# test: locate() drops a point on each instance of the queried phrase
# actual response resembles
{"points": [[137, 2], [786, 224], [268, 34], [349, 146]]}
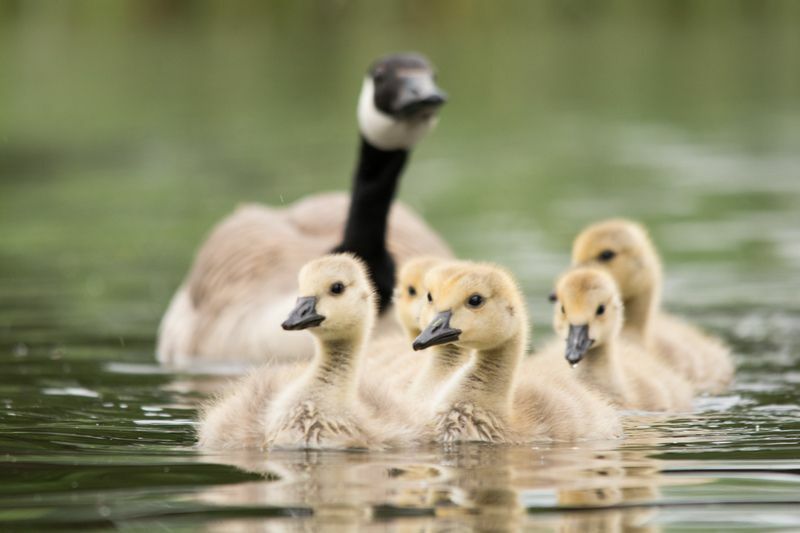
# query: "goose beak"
{"points": [[578, 343], [419, 97], [437, 332], [304, 315]]}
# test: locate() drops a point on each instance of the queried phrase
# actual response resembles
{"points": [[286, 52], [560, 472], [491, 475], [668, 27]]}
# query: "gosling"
{"points": [[588, 316], [324, 405]]}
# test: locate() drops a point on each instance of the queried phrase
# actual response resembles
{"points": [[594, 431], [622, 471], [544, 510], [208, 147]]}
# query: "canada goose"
{"points": [[589, 317], [243, 280], [624, 249], [322, 404], [478, 307]]}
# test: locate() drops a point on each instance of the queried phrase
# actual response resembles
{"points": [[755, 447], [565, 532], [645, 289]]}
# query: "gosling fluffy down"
{"points": [[325, 404], [588, 317]]}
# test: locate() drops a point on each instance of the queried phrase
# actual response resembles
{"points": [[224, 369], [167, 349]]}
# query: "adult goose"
{"points": [[243, 281]]}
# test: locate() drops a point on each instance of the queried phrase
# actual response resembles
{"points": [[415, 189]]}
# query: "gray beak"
{"points": [[578, 343], [418, 96], [304, 315], [437, 332]]}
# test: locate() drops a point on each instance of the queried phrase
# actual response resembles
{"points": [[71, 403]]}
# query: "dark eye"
{"points": [[412, 291], [476, 300], [601, 309], [552, 297], [337, 288], [430, 298], [607, 255]]}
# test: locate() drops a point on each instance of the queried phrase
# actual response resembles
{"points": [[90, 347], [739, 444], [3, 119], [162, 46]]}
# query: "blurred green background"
{"points": [[128, 128]]}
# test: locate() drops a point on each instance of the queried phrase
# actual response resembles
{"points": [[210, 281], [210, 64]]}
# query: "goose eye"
{"points": [[430, 298], [601, 309], [337, 288], [412, 291], [607, 255], [476, 300], [552, 297]]}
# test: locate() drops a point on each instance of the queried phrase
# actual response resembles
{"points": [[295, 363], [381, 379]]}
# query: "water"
{"points": [[128, 128]]}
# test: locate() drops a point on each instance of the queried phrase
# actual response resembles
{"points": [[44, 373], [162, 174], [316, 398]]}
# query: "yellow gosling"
{"points": [[588, 316]]}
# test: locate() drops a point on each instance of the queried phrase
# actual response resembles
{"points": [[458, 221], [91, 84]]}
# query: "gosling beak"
{"points": [[304, 315], [578, 343], [437, 332], [419, 97]]}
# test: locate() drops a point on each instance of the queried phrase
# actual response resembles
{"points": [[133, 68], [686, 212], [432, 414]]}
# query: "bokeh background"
{"points": [[128, 128]]}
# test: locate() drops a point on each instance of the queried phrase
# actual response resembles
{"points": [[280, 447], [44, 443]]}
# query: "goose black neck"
{"points": [[374, 186]]}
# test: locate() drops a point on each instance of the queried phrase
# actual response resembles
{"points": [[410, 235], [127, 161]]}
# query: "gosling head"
{"points": [[399, 101], [624, 249], [335, 299], [472, 305], [409, 293], [588, 312]]}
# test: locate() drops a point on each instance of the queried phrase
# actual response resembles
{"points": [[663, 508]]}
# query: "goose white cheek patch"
{"points": [[386, 132]]}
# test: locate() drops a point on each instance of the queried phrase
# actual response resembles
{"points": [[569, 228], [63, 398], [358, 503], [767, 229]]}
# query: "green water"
{"points": [[128, 128]]}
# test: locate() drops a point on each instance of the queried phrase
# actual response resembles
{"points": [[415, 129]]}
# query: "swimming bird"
{"points": [[624, 249], [326, 403], [478, 306], [243, 280], [588, 317]]}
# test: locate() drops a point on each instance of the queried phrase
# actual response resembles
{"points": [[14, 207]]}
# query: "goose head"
{"points": [[410, 294], [399, 101], [588, 312], [336, 300], [624, 250], [472, 305]]}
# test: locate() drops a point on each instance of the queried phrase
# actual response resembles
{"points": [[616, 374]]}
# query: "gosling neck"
{"points": [[337, 365], [600, 364], [374, 187], [440, 365], [639, 312], [490, 378]]}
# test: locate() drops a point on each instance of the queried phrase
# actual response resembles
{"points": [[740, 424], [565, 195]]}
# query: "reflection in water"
{"points": [[574, 488]]}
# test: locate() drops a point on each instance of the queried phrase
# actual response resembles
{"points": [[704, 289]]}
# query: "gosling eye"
{"points": [[430, 298], [607, 255], [337, 288], [475, 301], [601, 309], [412, 291], [552, 297]]}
